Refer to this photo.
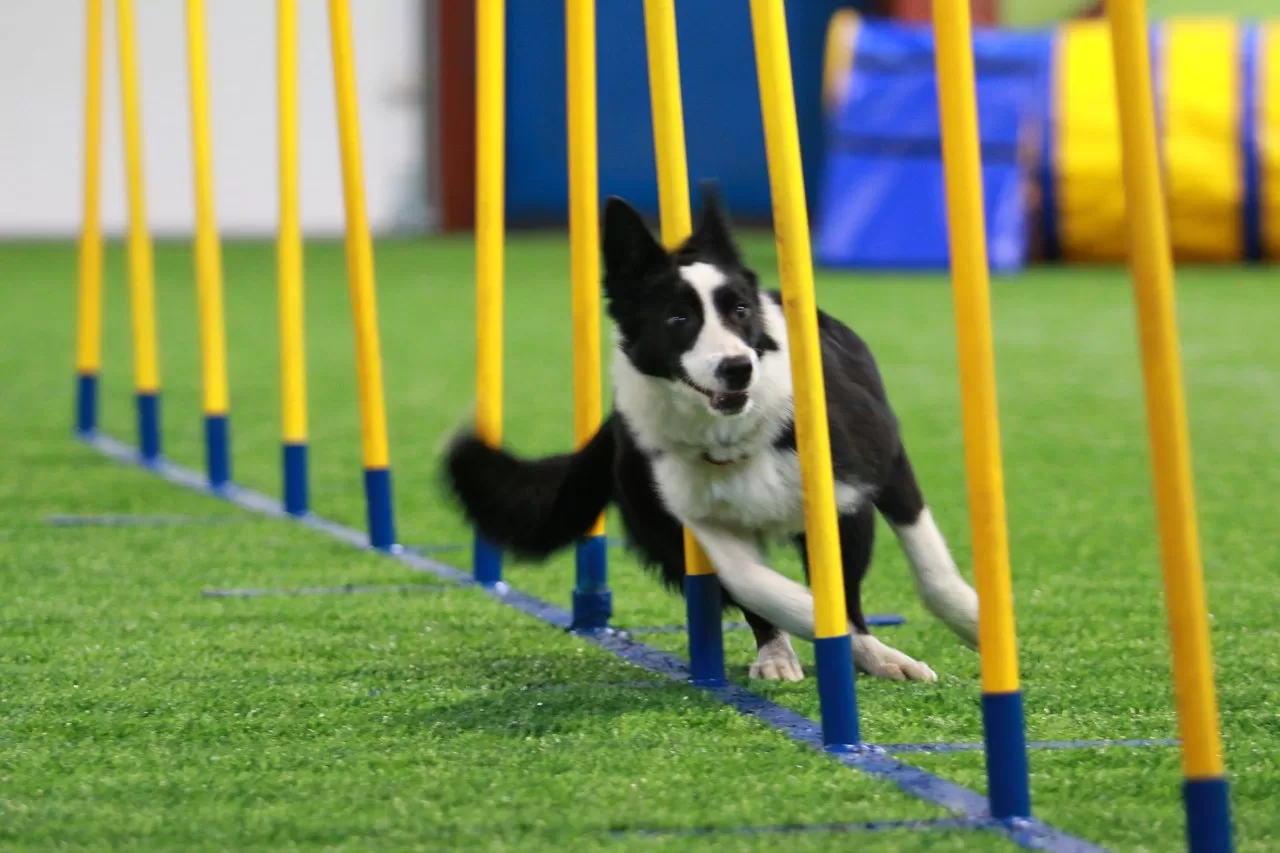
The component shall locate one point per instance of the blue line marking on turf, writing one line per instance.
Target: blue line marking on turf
(346, 589)
(875, 761)
(805, 828)
(108, 520)
(881, 620)
(931, 748)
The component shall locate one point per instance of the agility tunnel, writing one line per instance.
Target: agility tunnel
(1050, 144)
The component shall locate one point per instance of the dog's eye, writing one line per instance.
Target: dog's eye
(677, 320)
(742, 309)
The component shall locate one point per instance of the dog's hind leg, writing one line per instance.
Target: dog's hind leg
(870, 655)
(941, 587)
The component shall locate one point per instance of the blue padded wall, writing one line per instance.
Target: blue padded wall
(724, 135)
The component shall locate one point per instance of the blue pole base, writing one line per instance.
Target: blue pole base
(706, 633)
(295, 479)
(486, 562)
(86, 404)
(592, 601)
(377, 493)
(837, 698)
(1004, 731)
(1208, 815)
(217, 450)
(149, 428)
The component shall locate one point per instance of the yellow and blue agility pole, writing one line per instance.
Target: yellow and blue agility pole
(592, 601)
(701, 586)
(213, 342)
(89, 290)
(1003, 724)
(490, 182)
(1205, 792)
(832, 644)
(142, 288)
(373, 414)
(293, 365)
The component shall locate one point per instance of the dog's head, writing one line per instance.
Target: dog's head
(691, 317)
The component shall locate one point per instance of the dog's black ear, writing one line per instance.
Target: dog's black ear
(630, 250)
(713, 236)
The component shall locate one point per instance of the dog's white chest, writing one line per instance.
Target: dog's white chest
(762, 494)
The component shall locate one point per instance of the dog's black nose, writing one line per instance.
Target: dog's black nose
(735, 372)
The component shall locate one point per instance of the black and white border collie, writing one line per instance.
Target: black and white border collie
(701, 435)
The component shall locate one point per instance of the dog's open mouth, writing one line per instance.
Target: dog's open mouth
(723, 402)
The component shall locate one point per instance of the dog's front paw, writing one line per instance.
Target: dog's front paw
(880, 661)
(777, 661)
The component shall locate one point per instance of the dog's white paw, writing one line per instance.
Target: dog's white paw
(880, 661)
(777, 661)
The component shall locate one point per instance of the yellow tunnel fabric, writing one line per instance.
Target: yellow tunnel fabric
(1087, 140)
(1204, 170)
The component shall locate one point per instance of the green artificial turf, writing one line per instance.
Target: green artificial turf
(136, 713)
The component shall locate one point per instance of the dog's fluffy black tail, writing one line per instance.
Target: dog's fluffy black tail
(531, 508)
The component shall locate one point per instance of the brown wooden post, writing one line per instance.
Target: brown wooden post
(456, 114)
(986, 13)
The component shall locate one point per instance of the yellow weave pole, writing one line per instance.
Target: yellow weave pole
(1205, 786)
(832, 648)
(213, 336)
(89, 290)
(673, 170)
(142, 297)
(668, 120)
(373, 415)
(293, 364)
(1008, 783)
(701, 587)
(490, 212)
(490, 187)
(592, 603)
(584, 220)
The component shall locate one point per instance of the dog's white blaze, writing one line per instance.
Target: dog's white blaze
(669, 417)
(715, 343)
(938, 582)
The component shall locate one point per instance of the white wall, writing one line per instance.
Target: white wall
(42, 102)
